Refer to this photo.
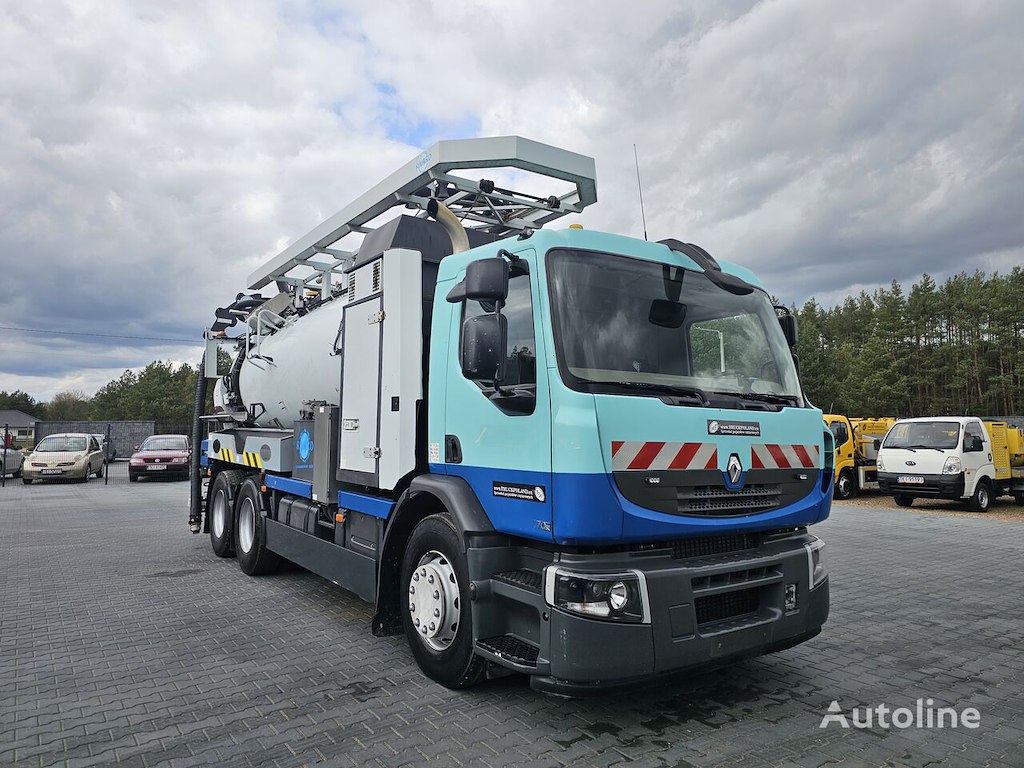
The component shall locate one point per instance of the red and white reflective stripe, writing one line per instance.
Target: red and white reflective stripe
(773, 456)
(655, 455)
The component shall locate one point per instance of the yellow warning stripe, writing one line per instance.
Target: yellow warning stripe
(252, 460)
(248, 458)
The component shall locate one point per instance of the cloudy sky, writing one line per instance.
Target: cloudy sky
(153, 154)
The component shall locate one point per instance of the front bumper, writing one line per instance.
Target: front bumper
(76, 472)
(931, 486)
(164, 470)
(704, 612)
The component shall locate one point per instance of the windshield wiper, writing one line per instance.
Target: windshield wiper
(762, 397)
(680, 390)
(934, 448)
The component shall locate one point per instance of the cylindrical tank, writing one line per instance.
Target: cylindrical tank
(294, 364)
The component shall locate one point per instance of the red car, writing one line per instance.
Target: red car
(161, 456)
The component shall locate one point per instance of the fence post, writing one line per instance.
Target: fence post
(6, 444)
(106, 456)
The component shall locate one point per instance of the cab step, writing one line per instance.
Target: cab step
(526, 579)
(510, 648)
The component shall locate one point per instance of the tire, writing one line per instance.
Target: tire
(133, 478)
(1018, 498)
(250, 533)
(846, 485)
(903, 500)
(434, 556)
(85, 477)
(982, 498)
(18, 471)
(26, 481)
(99, 472)
(220, 511)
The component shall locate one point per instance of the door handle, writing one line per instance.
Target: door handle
(452, 450)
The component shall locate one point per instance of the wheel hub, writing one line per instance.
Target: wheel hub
(246, 525)
(219, 515)
(434, 601)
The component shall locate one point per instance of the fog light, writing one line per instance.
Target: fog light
(790, 597)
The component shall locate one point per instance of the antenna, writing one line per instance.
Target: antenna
(640, 190)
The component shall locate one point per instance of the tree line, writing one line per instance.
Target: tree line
(161, 392)
(937, 350)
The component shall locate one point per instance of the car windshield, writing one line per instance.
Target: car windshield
(923, 434)
(61, 444)
(168, 443)
(623, 324)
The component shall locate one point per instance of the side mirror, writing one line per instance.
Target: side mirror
(135, 447)
(788, 325)
(877, 443)
(484, 338)
(487, 279)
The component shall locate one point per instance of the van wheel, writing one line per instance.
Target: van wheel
(436, 612)
(251, 534)
(1018, 498)
(903, 500)
(982, 497)
(220, 514)
(846, 487)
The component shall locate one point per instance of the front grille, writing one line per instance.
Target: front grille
(714, 545)
(718, 501)
(727, 605)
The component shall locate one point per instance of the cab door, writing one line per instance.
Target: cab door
(498, 433)
(975, 462)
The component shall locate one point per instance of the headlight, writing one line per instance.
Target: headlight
(816, 568)
(612, 596)
(135, 461)
(179, 460)
(879, 465)
(952, 466)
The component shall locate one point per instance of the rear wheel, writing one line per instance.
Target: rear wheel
(1018, 498)
(437, 615)
(846, 487)
(982, 497)
(903, 500)
(99, 472)
(220, 515)
(250, 533)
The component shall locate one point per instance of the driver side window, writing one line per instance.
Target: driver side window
(521, 349)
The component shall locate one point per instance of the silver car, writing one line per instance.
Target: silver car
(69, 455)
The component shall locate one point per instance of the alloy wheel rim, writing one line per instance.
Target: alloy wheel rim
(434, 604)
(246, 525)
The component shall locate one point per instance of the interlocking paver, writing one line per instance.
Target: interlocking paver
(122, 638)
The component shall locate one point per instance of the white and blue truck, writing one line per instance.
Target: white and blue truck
(573, 455)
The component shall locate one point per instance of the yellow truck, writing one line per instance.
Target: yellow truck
(856, 452)
(951, 457)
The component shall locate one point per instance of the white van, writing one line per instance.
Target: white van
(949, 457)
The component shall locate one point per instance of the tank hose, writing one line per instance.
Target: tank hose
(195, 510)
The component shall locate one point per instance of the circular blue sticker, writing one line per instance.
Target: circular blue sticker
(305, 445)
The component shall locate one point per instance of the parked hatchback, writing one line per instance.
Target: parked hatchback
(161, 456)
(68, 455)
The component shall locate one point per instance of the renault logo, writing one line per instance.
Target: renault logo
(734, 468)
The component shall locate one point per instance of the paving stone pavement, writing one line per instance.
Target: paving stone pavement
(124, 640)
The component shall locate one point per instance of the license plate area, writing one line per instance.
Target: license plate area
(910, 480)
(151, 467)
(51, 471)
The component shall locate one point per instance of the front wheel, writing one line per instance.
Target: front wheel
(846, 487)
(902, 500)
(1018, 498)
(982, 497)
(251, 534)
(437, 616)
(99, 472)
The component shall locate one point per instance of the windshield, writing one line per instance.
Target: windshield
(169, 443)
(60, 444)
(923, 434)
(623, 324)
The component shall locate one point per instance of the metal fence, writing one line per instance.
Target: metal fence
(93, 456)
